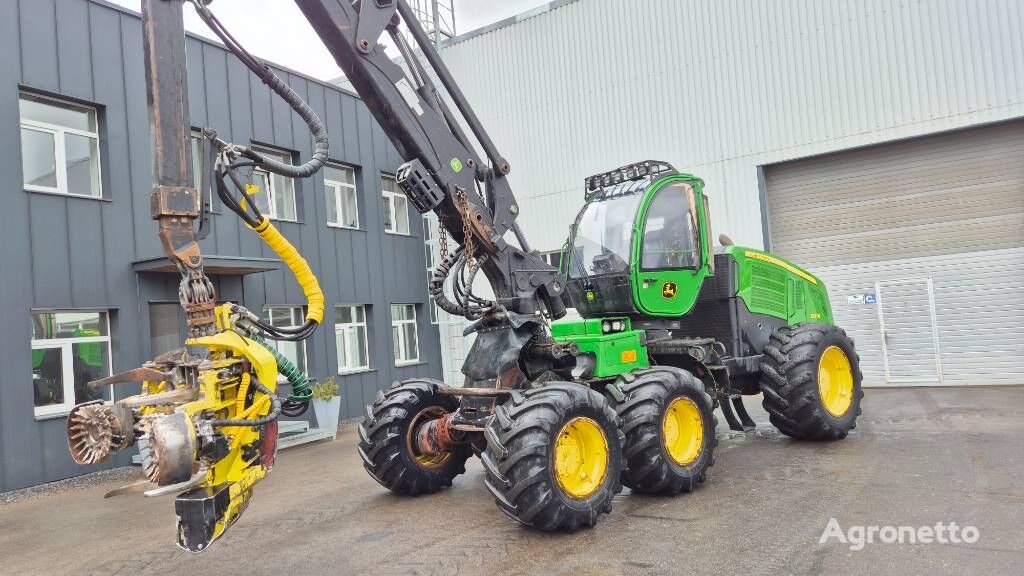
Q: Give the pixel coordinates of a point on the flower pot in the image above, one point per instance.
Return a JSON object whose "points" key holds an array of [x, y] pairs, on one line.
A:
{"points": [[327, 412]]}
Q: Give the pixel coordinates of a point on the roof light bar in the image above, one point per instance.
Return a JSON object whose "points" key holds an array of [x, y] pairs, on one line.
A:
{"points": [[625, 173]]}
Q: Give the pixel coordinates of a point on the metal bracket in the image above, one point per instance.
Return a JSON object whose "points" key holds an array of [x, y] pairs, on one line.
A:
{"points": [[373, 18]]}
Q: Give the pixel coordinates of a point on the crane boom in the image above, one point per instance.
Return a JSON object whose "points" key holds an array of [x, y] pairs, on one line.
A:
{"points": [[442, 170]]}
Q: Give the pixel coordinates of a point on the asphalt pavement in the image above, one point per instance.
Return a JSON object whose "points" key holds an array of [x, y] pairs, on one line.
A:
{"points": [[918, 457]]}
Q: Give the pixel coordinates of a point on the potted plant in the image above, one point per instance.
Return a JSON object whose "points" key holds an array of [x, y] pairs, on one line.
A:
{"points": [[327, 405]]}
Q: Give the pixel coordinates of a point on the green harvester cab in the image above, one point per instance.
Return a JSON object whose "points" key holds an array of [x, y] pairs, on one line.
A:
{"points": [[642, 271]]}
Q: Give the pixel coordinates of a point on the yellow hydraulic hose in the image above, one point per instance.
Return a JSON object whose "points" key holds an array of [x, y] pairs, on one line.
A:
{"points": [[299, 267]]}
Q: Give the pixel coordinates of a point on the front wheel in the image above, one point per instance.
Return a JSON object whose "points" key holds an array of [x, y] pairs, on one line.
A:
{"points": [[669, 424], [811, 382], [386, 439], [554, 456]]}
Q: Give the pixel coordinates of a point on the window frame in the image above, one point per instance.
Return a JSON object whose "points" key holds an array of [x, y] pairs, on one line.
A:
{"points": [[271, 189], [66, 346], [691, 218], [390, 196], [59, 144], [350, 329], [336, 188], [301, 345], [196, 135], [403, 345], [546, 256]]}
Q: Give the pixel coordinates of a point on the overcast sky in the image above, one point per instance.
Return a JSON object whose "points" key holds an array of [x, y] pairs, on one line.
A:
{"points": [[276, 30]]}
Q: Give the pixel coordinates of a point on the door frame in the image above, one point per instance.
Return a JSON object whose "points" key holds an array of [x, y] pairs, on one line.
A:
{"points": [[927, 280]]}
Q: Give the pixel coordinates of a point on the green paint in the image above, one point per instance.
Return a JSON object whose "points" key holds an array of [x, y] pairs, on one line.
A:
{"points": [[767, 284], [456, 165], [776, 287], [649, 287], [614, 353]]}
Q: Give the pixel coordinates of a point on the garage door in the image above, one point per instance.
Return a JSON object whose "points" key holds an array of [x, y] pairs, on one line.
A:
{"points": [[921, 243]]}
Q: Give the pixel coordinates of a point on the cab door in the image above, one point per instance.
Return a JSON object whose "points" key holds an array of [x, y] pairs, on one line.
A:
{"points": [[669, 260]]}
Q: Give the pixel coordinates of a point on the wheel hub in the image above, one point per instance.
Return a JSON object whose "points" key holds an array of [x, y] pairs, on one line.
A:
{"points": [[835, 381], [581, 457], [683, 431]]}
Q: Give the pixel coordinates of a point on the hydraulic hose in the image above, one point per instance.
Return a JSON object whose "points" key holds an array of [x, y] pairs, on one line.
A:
{"points": [[261, 70], [301, 390], [299, 267], [275, 410]]}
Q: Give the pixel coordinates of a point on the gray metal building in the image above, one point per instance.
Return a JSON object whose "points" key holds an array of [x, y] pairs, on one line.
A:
{"points": [[83, 266], [880, 143]]}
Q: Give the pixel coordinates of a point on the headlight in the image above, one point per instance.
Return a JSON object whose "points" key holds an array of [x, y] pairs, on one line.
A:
{"points": [[606, 327], [618, 325]]}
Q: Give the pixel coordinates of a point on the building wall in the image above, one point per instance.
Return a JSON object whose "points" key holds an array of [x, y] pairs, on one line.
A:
{"points": [[721, 87], [65, 252]]}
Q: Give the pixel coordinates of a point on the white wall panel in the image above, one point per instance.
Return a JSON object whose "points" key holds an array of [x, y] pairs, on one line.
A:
{"points": [[719, 87]]}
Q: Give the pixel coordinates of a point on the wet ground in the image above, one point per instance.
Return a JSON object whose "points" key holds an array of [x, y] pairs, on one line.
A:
{"points": [[918, 457]]}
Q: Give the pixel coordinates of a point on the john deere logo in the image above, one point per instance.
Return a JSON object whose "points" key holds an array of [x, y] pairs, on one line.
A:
{"points": [[668, 290], [590, 296], [456, 165]]}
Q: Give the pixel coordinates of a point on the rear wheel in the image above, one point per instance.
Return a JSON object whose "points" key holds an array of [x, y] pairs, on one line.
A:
{"points": [[811, 382], [554, 457], [669, 425], [386, 439]]}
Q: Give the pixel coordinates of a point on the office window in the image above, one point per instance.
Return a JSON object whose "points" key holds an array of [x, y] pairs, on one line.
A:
{"points": [[553, 258], [276, 198], [69, 349], [432, 254], [396, 207], [60, 147], [350, 338], [165, 322], [342, 204], [287, 317], [196, 141], [403, 333]]}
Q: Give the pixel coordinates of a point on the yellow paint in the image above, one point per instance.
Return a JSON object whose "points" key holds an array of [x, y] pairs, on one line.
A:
{"points": [[299, 267], [815, 316], [782, 264], [835, 381], [682, 431], [581, 457], [628, 356]]}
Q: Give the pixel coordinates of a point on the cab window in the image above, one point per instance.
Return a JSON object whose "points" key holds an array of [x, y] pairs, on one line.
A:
{"points": [[601, 243], [670, 230]]}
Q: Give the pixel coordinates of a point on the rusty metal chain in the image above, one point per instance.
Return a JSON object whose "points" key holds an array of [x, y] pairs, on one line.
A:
{"points": [[442, 241], [463, 204]]}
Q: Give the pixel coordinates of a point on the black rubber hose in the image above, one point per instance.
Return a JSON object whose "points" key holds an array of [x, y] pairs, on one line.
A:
{"points": [[261, 70], [275, 410]]}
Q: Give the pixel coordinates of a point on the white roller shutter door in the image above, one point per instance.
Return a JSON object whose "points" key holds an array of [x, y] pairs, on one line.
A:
{"points": [[921, 244]]}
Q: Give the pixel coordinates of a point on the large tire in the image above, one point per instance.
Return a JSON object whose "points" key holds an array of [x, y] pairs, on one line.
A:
{"points": [[385, 439], [795, 382], [531, 480], [662, 456]]}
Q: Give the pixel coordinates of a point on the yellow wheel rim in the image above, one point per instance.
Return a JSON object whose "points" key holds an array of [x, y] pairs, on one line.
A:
{"points": [[835, 381], [581, 457], [682, 431]]}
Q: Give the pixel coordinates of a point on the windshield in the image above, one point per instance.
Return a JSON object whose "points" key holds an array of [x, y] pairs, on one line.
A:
{"points": [[602, 240]]}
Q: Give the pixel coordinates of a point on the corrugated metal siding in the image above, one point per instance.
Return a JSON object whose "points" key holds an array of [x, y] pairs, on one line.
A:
{"points": [[73, 252], [978, 313], [719, 87], [943, 194]]}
